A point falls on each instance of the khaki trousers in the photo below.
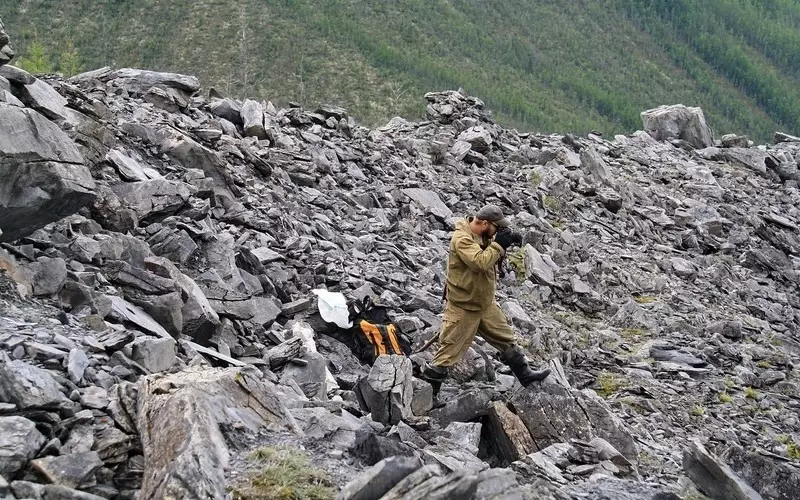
(460, 326)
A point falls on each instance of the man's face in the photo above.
(488, 229)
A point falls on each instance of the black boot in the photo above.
(515, 359)
(434, 375)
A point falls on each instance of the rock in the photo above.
(402, 490)
(387, 391)
(252, 117)
(511, 438)
(152, 199)
(180, 419)
(377, 480)
(422, 399)
(773, 479)
(155, 354)
(57, 492)
(140, 81)
(44, 177)
(678, 122)
(228, 109)
(554, 414)
(19, 442)
(27, 489)
(466, 434)
(728, 329)
(73, 471)
(594, 165)
(46, 276)
(537, 268)
(311, 376)
(44, 99)
(497, 484)
(95, 398)
(734, 141)
(429, 201)
(125, 311)
(130, 169)
(28, 386)
(713, 477)
(779, 137)
(478, 137)
(6, 51)
(610, 488)
(467, 406)
(460, 484)
(372, 448)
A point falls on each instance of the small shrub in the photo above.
(284, 474)
(793, 451)
(764, 364)
(698, 411)
(517, 261)
(608, 384)
(644, 299)
(750, 393)
(630, 333)
(724, 397)
(551, 203)
(535, 178)
(783, 438)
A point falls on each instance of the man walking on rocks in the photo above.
(476, 247)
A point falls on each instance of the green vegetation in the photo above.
(724, 397)
(539, 65)
(608, 383)
(632, 333)
(283, 474)
(698, 411)
(517, 261)
(644, 299)
(750, 393)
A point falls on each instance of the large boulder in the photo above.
(678, 122)
(6, 52)
(387, 391)
(19, 442)
(42, 175)
(554, 414)
(181, 418)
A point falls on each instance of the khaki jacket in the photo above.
(471, 269)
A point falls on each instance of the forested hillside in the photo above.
(547, 66)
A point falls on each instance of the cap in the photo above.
(493, 214)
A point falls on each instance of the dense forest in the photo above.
(540, 65)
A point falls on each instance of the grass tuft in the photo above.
(283, 473)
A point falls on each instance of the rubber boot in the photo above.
(515, 359)
(434, 375)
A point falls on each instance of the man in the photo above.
(476, 246)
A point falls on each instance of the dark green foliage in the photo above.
(540, 65)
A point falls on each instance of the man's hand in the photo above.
(507, 237)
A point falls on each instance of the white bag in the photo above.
(333, 308)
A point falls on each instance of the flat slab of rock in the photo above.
(28, 386)
(19, 442)
(511, 437)
(374, 482)
(73, 471)
(126, 311)
(180, 416)
(713, 477)
(155, 354)
(429, 201)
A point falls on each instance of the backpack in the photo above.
(374, 333)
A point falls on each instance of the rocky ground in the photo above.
(157, 320)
